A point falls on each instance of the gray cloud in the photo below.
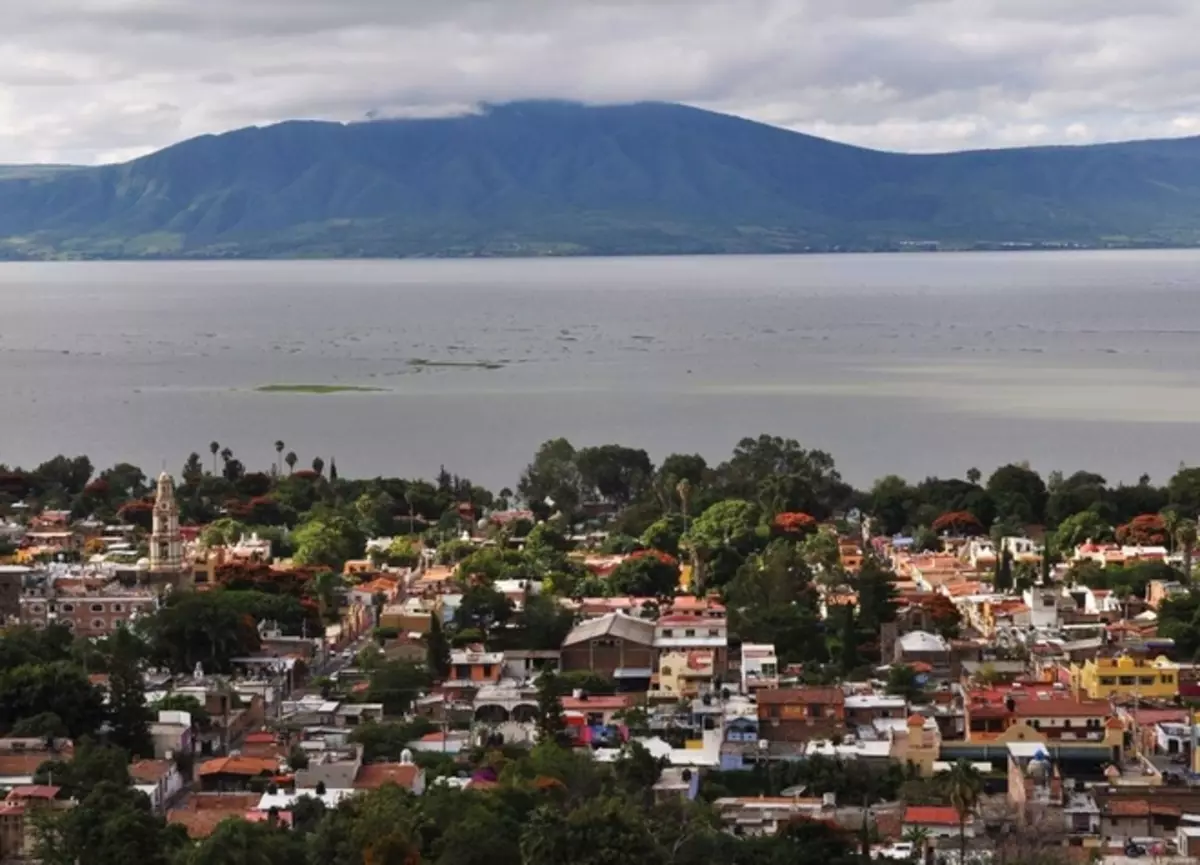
(101, 80)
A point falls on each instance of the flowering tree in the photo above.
(1148, 530)
(958, 523)
(794, 523)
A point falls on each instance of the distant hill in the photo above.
(559, 178)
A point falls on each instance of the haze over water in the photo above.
(908, 364)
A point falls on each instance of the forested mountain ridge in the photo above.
(559, 178)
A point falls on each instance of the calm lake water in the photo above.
(914, 364)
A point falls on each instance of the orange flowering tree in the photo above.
(1148, 530)
(795, 523)
(958, 523)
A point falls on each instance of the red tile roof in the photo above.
(149, 771)
(251, 766)
(374, 775)
(932, 815)
(262, 737)
(34, 791)
(777, 696)
(603, 703)
(22, 765)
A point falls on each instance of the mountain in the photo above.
(561, 178)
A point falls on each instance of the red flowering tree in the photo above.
(961, 523)
(1148, 530)
(139, 512)
(795, 523)
(665, 558)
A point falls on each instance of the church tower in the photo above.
(166, 541)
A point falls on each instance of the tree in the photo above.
(552, 481)
(964, 786)
(1183, 491)
(279, 446)
(544, 623)
(128, 716)
(617, 474)
(664, 534)
(1019, 494)
(550, 721)
(193, 470)
(397, 684)
(1185, 540)
(722, 537)
(1080, 528)
(782, 476)
(291, 459)
(483, 607)
(318, 465)
(876, 595)
(238, 842)
(437, 649)
(772, 600)
(1082, 491)
(822, 552)
(90, 766)
(648, 574)
(892, 504)
(903, 681)
(214, 448)
(1003, 580)
(330, 541)
(208, 628)
(326, 589)
(112, 825)
(60, 688)
(1147, 530)
(958, 523)
(848, 639)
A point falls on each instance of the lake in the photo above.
(911, 364)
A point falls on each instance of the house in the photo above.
(200, 813)
(404, 774)
(615, 645)
(759, 667)
(863, 710)
(1126, 676)
(685, 633)
(801, 714)
(473, 668)
(923, 647)
(762, 816)
(525, 664)
(20, 758)
(1158, 591)
(172, 733)
(234, 774)
(937, 821)
(686, 673)
(160, 780)
(17, 835)
(598, 710)
(1039, 712)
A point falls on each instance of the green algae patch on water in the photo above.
(317, 388)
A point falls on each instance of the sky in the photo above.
(90, 81)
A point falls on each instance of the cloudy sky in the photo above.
(104, 80)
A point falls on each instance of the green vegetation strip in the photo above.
(316, 388)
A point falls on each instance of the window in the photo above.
(487, 670)
(462, 671)
(97, 624)
(1067, 724)
(714, 632)
(117, 622)
(37, 608)
(117, 608)
(1037, 725)
(1107, 681)
(1128, 680)
(68, 608)
(667, 632)
(1168, 679)
(816, 710)
(97, 608)
(690, 632)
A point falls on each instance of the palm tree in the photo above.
(964, 786)
(226, 454)
(684, 489)
(1185, 539)
(213, 447)
(1171, 521)
(318, 465)
(278, 454)
(918, 836)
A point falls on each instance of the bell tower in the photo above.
(166, 541)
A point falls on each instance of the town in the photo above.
(749, 662)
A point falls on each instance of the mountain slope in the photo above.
(548, 177)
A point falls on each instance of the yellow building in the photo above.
(1126, 676)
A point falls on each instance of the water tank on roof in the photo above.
(406, 757)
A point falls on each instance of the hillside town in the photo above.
(957, 671)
